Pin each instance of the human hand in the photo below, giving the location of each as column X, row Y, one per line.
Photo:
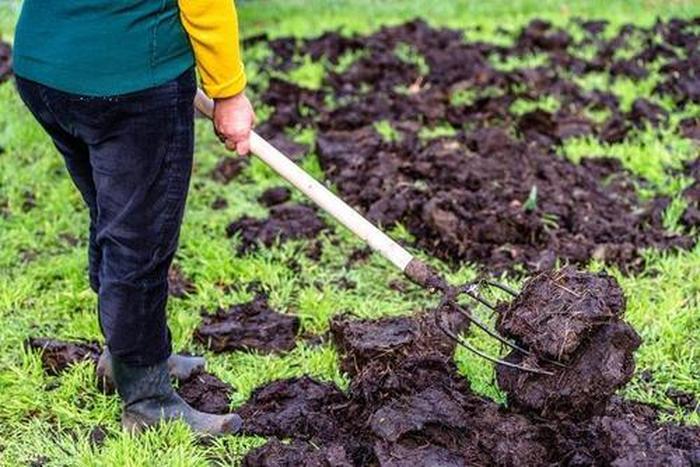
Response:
column 233, row 120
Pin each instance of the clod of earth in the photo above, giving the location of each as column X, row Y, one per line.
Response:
column 206, row 392
column 556, row 311
column 278, row 454
column 57, row 356
column 302, row 406
column 683, row 399
column 286, row 222
column 228, row 168
column 275, row 195
column 575, row 318
column 248, row 326
column 179, row 286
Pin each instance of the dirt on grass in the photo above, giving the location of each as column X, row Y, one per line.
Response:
column 407, row 404
column 494, row 192
column 248, row 326
column 285, row 222
column 57, row 355
column 206, row 392
column 228, row 168
column 179, row 285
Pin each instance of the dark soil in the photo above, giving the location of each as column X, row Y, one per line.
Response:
column 407, row 404
column 248, row 326
column 496, row 193
column 286, row 222
column 57, row 356
column 206, row 392
column 274, row 196
column 5, row 61
column 556, row 311
column 229, row 168
column 179, row 286
column 297, row 453
column 575, row 318
column 683, row 399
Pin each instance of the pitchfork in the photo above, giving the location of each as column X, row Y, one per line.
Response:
column 416, row 270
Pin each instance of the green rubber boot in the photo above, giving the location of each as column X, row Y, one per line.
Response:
column 149, row 398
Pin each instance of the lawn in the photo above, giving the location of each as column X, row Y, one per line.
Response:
column 53, row 420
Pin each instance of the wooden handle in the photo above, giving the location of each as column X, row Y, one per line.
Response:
column 319, row 194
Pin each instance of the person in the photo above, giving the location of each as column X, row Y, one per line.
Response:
column 113, row 84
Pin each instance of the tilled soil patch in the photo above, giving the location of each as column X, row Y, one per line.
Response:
column 179, row 285
column 495, row 193
column 229, row 168
column 57, row 356
column 286, row 222
column 407, row 404
column 206, row 392
column 248, row 326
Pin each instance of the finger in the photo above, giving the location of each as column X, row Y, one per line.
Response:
column 243, row 147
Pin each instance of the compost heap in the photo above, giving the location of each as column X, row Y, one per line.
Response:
column 407, row 405
column 493, row 189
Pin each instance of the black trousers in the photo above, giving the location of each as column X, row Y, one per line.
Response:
column 131, row 158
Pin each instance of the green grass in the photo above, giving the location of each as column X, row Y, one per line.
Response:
column 44, row 291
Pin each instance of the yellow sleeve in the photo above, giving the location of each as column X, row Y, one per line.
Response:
column 213, row 29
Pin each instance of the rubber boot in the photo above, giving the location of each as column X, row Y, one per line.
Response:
column 180, row 367
column 149, row 398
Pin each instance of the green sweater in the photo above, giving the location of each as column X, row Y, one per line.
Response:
column 101, row 47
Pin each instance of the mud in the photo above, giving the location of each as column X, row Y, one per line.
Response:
column 407, row 404
column 179, row 285
column 5, row 61
column 574, row 318
column 274, row 196
column 278, row 454
column 286, row 222
column 496, row 193
column 556, row 311
column 58, row 356
column 229, row 168
column 206, row 392
column 248, row 326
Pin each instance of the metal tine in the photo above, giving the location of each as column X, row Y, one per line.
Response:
column 498, row 285
column 469, row 290
column 488, row 330
column 486, row 356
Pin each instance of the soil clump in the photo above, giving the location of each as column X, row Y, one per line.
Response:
column 57, row 355
column 286, row 222
column 179, row 285
column 248, row 326
column 207, row 393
